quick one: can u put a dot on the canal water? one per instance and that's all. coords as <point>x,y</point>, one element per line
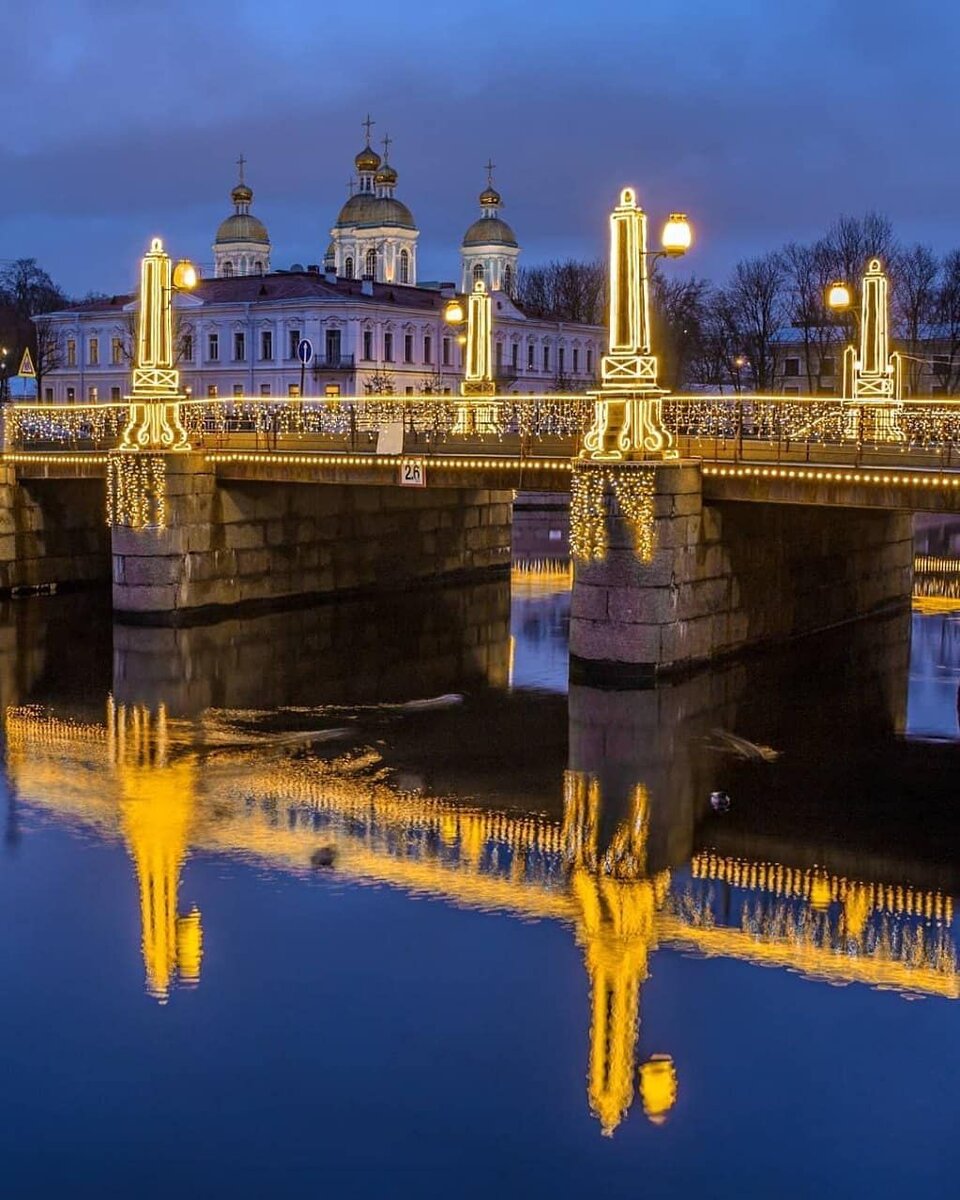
<point>364,901</point>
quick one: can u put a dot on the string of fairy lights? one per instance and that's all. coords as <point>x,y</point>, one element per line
<point>631,487</point>
<point>136,490</point>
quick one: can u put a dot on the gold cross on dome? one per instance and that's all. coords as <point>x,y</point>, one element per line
<point>241,161</point>
<point>368,124</point>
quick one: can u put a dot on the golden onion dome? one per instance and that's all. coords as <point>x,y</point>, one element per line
<point>366,210</point>
<point>241,194</point>
<point>242,227</point>
<point>367,160</point>
<point>386,175</point>
<point>490,197</point>
<point>489,230</point>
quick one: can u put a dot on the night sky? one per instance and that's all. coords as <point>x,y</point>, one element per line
<point>762,119</point>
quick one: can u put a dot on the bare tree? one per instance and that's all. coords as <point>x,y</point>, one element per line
<point>47,350</point>
<point>564,291</point>
<point>947,366</point>
<point>809,271</point>
<point>915,271</point>
<point>679,311</point>
<point>757,303</point>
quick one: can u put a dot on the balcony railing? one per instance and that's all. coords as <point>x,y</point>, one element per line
<point>333,362</point>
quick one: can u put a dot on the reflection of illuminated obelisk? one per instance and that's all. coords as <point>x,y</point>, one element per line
<point>618,907</point>
<point>628,419</point>
<point>157,809</point>
<point>154,420</point>
<point>874,375</point>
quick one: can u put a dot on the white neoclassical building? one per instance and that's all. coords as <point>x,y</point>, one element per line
<point>371,326</point>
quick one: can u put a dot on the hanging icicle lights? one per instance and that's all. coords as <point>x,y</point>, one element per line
<point>632,489</point>
<point>136,490</point>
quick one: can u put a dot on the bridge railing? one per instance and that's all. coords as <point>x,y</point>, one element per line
<point>350,423</point>
<point>815,429</point>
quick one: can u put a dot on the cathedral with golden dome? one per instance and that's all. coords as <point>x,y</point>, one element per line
<point>371,323</point>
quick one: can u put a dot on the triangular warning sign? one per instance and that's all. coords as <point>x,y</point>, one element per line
<point>27,368</point>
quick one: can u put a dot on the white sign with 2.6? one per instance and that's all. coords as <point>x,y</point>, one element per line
<point>412,473</point>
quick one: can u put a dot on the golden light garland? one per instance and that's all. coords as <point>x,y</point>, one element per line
<point>137,490</point>
<point>632,489</point>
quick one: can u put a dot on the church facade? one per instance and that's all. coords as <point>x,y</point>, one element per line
<point>372,327</point>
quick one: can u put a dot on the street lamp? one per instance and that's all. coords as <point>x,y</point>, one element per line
<point>838,296</point>
<point>628,416</point>
<point>3,374</point>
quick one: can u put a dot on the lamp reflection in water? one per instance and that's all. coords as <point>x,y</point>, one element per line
<point>128,774</point>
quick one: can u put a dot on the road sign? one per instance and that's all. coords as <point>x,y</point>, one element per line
<point>305,351</point>
<point>413,473</point>
<point>27,369</point>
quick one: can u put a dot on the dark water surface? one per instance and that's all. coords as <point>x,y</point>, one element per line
<point>540,963</point>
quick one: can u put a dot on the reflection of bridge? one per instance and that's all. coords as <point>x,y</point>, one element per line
<point>168,786</point>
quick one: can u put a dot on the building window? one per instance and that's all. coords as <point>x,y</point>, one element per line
<point>227,270</point>
<point>238,389</point>
<point>266,344</point>
<point>576,360</point>
<point>561,354</point>
<point>427,348</point>
<point>498,352</point>
<point>827,367</point>
<point>368,344</point>
<point>515,356</point>
<point>212,391</point>
<point>388,347</point>
<point>589,361</point>
<point>213,347</point>
<point>71,352</point>
<point>546,358</point>
<point>404,267</point>
<point>370,264</point>
<point>186,347</point>
<point>508,279</point>
<point>477,272</point>
<point>332,389</point>
<point>71,395</point>
<point>791,391</point>
<point>348,268</point>
<point>530,353</point>
<point>239,346</point>
<point>94,349</point>
<point>48,394</point>
<point>445,352</point>
<point>264,389</point>
<point>258,266</point>
<point>116,351</point>
<point>294,347</point>
<point>791,367</point>
<point>293,389</point>
<point>93,394</point>
<point>408,347</point>
<point>114,393</point>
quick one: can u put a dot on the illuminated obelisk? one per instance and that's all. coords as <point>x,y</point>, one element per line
<point>154,420</point>
<point>874,375</point>
<point>628,419</point>
<point>478,368</point>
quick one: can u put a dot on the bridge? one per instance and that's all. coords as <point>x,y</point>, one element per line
<point>700,524</point>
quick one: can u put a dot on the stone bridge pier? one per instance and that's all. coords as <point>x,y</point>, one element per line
<point>255,542</point>
<point>721,576</point>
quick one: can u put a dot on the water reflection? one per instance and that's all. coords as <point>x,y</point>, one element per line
<point>275,738</point>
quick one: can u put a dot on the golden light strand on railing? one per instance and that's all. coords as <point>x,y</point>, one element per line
<point>136,490</point>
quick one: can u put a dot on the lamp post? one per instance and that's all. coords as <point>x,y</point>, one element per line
<point>628,417</point>
<point>3,374</point>
<point>154,418</point>
<point>871,373</point>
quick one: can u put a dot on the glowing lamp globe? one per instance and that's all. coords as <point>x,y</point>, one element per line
<point>677,235</point>
<point>185,276</point>
<point>453,313</point>
<point>838,295</point>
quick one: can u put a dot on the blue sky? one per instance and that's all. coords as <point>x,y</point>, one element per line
<point>763,120</point>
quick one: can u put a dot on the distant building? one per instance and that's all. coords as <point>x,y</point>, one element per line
<point>932,363</point>
<point>371,326</point>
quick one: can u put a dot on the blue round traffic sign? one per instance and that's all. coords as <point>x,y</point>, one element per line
<point>305,351</point>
